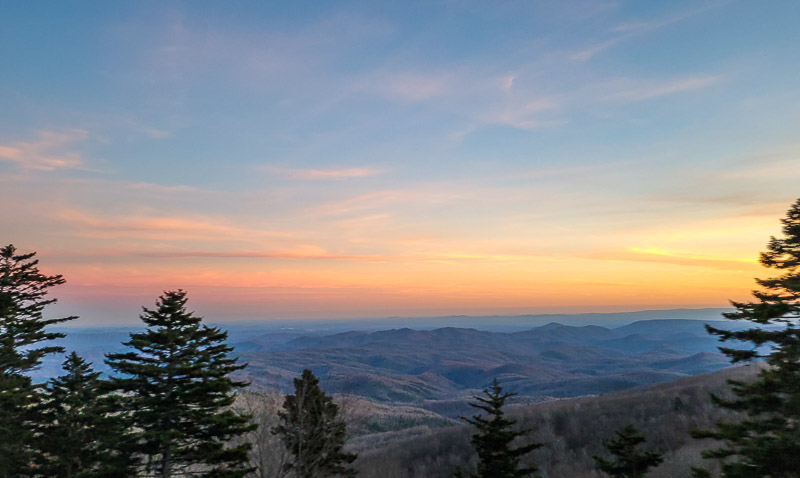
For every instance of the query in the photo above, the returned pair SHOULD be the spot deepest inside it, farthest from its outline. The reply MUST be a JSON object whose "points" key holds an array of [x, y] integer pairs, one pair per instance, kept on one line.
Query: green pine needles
{"points": [[178, 394], [80, 434], [23, 297], [766, 443], [629, 460], [496, 457], [313, 433]]}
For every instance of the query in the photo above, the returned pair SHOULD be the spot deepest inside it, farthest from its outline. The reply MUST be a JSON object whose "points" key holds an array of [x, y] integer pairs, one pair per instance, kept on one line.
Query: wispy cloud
{"points": [[507, 82], [298, 251], [383, 200], [322, 174], [657, 255], [49, 152], [628, 90], [590, 51], [458, 136], [416, 87], [654, 24], [628, 30], [156, 133], [159, 227], [265, 59], [162, 188], [408, 86], [525, 116]]}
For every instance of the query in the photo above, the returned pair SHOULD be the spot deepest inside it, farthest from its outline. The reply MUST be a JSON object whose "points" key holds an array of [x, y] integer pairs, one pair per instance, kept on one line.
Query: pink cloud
{"points": [[49, 152], [526, 115], [416, 87], [638, 92], [592, 50], [324, 174], [159, 227]]}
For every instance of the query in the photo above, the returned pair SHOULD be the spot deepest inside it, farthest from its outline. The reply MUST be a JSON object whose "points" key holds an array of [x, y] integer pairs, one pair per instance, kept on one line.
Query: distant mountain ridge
{"points": [[494, 323], [425, 366], [648, 330], [554, 360]]}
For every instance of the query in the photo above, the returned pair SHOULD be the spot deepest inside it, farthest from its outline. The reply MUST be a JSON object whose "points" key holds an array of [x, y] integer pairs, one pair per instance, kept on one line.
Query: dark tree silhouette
{"points": [[23, 291], [79, 433], [767, 441], [313, 433], [629, 460], [179, 391], [492, 443]]}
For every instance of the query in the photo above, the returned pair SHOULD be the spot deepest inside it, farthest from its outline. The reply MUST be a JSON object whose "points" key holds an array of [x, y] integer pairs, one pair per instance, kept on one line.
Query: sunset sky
{"points": [[367, 159]]}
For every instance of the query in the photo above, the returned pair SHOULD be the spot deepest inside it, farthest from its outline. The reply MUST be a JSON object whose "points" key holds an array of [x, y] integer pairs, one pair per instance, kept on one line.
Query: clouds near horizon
{"points": [[364, 158]]}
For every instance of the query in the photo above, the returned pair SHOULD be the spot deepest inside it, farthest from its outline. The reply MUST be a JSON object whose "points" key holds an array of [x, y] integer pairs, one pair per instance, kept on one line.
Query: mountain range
{"points": [[441, 368], [428, 367]]}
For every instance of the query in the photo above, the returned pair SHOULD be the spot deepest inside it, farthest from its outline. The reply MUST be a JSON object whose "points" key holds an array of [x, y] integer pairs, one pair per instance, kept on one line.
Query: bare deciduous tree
{"points": [[268, 455]]}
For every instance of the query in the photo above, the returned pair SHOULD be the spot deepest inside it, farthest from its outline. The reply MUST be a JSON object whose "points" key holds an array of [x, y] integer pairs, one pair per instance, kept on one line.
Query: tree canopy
{"points": [[313, 433], [79, 433], [179, 389], [629, 460], [23, 298], [493, 441], [767, 440]]}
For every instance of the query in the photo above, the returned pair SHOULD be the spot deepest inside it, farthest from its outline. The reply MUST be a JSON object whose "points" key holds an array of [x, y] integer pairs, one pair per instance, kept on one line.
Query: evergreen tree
{"points": [[79, 432], [766, 443], [629, 461], [23, 291], [496, 457], [313, 434], [179, 395]]}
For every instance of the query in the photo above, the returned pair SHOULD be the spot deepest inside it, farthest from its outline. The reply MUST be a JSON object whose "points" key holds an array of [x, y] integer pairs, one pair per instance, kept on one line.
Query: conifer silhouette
{"points": [[492, 443], [179, 391], [767, 441], [23, 298], [313, 433], [629, 461], [80, 434]]}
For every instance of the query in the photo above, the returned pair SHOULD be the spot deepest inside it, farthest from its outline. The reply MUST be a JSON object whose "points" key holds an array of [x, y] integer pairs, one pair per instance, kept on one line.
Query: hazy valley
{"points": [[420, 366], [402, 382]]}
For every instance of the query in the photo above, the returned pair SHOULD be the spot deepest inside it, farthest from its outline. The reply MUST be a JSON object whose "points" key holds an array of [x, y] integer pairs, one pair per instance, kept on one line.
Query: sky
{"points": [[365, 159]]}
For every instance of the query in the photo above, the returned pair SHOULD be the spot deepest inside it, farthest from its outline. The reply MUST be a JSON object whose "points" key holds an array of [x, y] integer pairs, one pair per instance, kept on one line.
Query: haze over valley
{"points": [[434, 372], [389, 239]]}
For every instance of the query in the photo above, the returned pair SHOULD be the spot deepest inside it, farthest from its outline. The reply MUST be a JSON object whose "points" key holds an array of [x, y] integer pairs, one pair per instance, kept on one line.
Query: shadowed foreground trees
{"points": [[313, 433], [23, 291], [767, 442], [629, 461], [492, 443], [80, 435], [178, 395]]}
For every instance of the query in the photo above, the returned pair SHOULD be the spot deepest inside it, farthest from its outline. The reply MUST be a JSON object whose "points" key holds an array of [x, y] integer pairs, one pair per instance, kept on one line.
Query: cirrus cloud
{"points": [[322, 174], [50, 151]]}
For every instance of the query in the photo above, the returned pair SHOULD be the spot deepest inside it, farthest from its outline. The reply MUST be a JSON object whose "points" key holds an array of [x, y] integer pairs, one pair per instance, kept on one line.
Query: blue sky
{"points": [[370, 158]]}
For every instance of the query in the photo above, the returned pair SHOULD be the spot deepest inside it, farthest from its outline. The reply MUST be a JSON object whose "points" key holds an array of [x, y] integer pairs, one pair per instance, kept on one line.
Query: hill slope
{"points": [[552, 361], [573, 430]]}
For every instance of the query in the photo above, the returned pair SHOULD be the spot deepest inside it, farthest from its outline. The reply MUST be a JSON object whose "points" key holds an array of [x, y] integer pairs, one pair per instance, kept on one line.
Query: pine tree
{"points": [[179, 395], [629, 461], [23, 291], [312, 432], [79, 432], [496, 457], [766, 443]]}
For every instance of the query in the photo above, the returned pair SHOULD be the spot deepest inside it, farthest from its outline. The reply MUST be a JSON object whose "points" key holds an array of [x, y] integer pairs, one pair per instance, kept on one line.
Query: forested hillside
{"points": [[429, 367], [573, 430]]}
